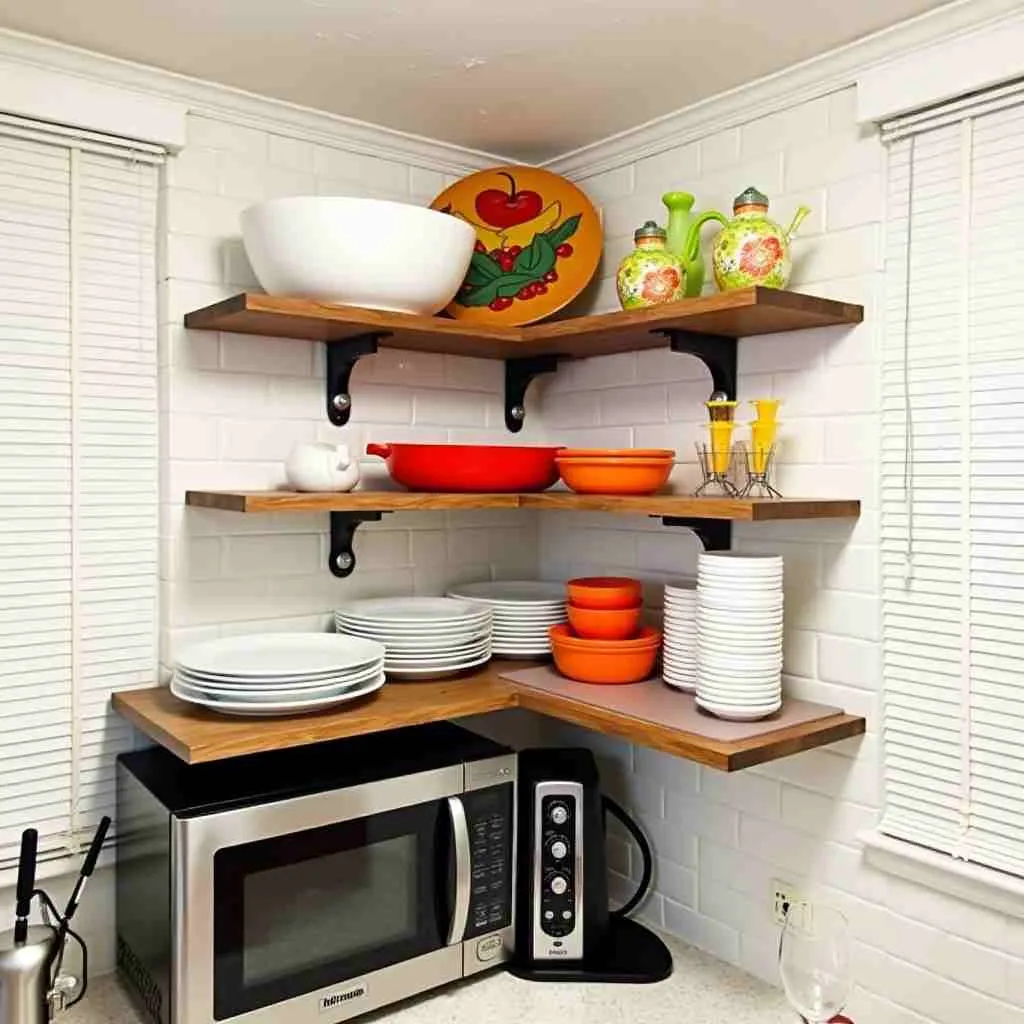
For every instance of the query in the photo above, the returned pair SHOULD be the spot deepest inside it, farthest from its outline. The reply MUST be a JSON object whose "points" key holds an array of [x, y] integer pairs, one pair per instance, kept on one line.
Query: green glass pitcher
{"points": [[684, 237]]}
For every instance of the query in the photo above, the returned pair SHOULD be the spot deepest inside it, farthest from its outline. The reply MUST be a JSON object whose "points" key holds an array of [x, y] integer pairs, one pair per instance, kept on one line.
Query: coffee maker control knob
{"points": [[558, 849], [559, 884], [559, 814]]}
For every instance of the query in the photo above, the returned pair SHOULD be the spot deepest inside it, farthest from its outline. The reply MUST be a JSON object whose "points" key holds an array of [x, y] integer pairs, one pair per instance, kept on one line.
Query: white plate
{"points": [[501, 615], [436, 672], [280, 654], [681, 687], [394, 628], [267, 695], [437, 657], [513, 649], [292, 707], [675, 669], [481, 614], [735, 616], [511, 592], [747, 600], [731, 714], [430, 642], [738, 558], [283, 683], [409, 610], [519, 634]]}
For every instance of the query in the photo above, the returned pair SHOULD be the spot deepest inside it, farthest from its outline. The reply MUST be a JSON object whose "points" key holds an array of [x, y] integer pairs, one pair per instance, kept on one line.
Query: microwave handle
{"points": [[463, 869]]}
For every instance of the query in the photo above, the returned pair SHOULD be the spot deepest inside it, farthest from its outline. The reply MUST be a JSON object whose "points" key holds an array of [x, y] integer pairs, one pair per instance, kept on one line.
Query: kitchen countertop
{"points": [[702, 990]]}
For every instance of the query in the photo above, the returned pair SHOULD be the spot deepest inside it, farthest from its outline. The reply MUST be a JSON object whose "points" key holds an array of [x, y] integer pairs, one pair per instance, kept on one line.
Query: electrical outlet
{"points": [[786, 900]]}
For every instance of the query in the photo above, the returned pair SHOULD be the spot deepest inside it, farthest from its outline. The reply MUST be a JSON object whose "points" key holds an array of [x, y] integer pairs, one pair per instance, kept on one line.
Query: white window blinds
{"points": [[953, 482], [78, 472]]}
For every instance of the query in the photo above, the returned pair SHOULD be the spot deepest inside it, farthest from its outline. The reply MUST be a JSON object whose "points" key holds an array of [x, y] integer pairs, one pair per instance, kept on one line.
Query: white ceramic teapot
{"points": [[319, 466]]}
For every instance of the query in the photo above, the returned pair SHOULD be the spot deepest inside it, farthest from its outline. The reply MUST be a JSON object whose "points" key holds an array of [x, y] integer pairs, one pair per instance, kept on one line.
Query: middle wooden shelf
{"points": [[674, 505]]}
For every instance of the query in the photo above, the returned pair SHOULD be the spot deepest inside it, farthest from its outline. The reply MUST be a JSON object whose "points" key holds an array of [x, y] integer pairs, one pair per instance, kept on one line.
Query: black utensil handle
{"points": [[26, 871], [94, 849], [26, 883]]}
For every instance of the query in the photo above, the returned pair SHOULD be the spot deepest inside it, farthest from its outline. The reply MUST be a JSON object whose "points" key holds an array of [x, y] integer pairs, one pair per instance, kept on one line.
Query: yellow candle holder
{"points": [[721, 445], [721, 411], [762, 440], [766, 409]]}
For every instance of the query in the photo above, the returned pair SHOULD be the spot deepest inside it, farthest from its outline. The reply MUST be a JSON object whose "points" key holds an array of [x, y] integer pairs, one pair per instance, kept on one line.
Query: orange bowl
{"points": [[602, 661], [601, 592], [614, 476], [616, 453], [605, 623], [647, 636]]}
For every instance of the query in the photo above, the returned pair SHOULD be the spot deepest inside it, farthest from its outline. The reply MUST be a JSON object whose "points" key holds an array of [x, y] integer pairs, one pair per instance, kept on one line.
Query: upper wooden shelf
{"points": [[743, 313], [197, 735], [737, 509]]}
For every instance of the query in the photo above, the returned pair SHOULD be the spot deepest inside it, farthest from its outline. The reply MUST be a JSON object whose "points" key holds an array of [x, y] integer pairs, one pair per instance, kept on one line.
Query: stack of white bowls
{"points": [[423, 637], [524, 611], [278, 673], [679, 635], [739, 634]]}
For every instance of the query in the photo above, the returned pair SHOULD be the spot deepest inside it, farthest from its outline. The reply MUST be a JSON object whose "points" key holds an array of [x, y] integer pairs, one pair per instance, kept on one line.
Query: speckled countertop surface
{"points": [[702, 990]]}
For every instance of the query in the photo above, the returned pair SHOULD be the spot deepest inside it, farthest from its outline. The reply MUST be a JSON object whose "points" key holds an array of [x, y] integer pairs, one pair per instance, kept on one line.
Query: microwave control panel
{"points": [[491, 838]]}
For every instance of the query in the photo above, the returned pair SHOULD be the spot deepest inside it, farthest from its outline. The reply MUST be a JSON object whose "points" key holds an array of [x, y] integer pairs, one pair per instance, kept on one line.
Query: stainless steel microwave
{"points": [[315, 884]]}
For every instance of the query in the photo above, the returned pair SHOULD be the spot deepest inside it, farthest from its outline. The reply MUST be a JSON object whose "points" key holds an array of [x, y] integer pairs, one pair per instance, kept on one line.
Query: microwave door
{"points": [[305, 911]]}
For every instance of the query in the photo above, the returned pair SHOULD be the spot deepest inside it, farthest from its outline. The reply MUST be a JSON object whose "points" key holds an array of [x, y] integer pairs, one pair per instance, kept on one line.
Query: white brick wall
{"points": [[233, 406], [721, 840]]}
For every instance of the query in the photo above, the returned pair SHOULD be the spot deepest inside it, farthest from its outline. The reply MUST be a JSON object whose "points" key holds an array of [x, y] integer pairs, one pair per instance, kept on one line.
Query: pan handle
{"points": [[383, 450]]}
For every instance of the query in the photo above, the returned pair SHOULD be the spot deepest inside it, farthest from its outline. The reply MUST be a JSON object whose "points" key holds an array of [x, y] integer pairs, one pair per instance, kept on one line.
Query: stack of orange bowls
{"points": [[615, 470], [604, 641]]}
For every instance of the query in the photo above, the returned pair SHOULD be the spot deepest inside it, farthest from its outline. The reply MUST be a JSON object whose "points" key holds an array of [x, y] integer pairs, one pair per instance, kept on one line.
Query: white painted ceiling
{"points": [[526, 78]]}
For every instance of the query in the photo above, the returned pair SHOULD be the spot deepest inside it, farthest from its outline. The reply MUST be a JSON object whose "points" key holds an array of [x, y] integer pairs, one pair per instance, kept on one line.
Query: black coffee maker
{"points": [[565, 930]]}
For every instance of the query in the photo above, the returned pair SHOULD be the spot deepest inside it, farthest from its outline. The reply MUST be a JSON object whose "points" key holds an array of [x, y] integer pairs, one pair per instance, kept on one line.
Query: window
{"points": [[952, 479], [78, 471]]}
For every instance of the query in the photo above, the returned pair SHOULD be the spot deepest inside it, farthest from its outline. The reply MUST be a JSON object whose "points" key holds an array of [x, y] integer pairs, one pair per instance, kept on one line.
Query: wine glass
{"points": [[814, 962]]}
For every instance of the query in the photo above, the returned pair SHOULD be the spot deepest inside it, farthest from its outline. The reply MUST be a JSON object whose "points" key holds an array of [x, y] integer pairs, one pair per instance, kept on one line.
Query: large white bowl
{"points": [[358, 252]]}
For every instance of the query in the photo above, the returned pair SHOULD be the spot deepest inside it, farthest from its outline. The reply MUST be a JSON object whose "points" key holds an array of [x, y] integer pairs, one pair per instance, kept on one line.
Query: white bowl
{"points": [[358, 252]]}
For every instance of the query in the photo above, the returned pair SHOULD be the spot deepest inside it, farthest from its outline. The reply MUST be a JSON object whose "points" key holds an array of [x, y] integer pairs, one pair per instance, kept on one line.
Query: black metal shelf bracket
{"points": [[342, 357], [518, 374], [342, 560], [714, 534], [715, 351]]}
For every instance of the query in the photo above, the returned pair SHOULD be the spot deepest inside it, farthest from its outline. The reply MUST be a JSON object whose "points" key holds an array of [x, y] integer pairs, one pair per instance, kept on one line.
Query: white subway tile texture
{"points": [[722, 840], [232, 407]]}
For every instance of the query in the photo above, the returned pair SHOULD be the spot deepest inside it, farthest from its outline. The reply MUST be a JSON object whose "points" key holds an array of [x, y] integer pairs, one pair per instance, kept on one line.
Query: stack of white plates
{"points": [[524, 611], [278, 673], [739, 634], [679, 636], [424, 637]]}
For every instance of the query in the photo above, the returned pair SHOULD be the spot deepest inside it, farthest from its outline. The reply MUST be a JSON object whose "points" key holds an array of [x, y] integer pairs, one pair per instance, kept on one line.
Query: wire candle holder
{"points": [[759, 463], [716, 466]]}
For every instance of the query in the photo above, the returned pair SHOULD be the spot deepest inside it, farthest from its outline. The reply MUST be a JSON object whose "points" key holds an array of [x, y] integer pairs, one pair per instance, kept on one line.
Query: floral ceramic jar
{"points": [[650, 274], [752, 248]]}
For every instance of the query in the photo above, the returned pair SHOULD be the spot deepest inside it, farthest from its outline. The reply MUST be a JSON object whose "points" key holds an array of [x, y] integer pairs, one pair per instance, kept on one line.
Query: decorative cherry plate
{"points": [[538, 244]]}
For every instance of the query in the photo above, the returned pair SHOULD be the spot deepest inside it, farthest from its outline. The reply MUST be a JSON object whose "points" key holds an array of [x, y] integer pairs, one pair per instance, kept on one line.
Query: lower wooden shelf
{"points": [[197, 735]]}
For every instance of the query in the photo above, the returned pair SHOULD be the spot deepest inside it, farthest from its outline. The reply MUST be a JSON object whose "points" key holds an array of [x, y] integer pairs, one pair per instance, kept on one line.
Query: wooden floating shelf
{"points": [[742, 313], [736, 509], [197, 735]]}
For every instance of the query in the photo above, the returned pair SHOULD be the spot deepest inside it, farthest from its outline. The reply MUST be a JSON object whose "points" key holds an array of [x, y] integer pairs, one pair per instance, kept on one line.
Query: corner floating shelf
{"points": [[706, 327], [735, 509], [197, 735], [709, 518]]}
